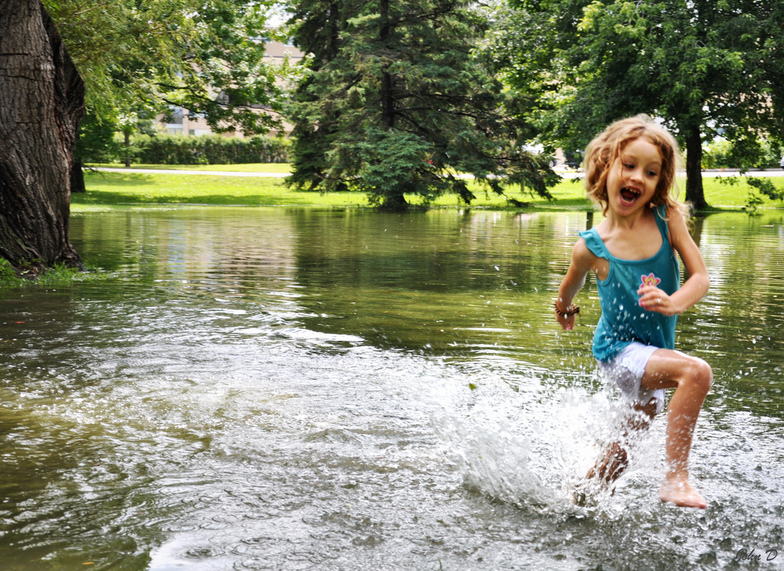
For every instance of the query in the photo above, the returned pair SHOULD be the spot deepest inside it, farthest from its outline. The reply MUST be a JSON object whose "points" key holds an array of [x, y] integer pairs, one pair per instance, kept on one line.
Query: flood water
{"points": [[312, 389]]}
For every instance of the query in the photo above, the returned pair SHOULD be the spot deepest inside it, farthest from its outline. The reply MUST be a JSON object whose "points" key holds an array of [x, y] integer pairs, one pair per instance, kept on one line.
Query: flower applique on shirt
{"points": [[650, 280]]}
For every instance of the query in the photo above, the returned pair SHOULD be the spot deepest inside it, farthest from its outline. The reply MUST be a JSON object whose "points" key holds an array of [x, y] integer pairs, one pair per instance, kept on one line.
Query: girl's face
{"points": [[633, 177]]}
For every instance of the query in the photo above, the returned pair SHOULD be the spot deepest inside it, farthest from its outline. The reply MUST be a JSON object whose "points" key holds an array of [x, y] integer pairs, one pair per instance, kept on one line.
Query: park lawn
{"points": [[251, 167], [720, 194], [134, 188], [570, 195], [129, 188]]}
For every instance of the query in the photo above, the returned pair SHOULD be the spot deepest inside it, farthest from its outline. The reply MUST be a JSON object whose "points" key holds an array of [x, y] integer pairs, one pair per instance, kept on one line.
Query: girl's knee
{"points": [[700, 374]]}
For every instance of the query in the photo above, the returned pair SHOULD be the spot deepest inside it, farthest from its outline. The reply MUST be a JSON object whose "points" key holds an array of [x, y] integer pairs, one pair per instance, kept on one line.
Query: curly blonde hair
{"points": [[607, 146]]}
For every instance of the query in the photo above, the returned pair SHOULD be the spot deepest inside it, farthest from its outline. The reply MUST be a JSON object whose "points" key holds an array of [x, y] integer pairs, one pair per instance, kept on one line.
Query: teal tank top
{"points": [[623, 320]]}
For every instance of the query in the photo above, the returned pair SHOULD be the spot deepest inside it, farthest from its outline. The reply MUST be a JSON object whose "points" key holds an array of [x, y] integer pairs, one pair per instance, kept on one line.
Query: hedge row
{"points": [[207, 150], [720, 153]]}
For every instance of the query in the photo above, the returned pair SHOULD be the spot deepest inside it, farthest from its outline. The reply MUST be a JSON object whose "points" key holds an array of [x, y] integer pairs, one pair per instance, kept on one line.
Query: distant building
{"points": [[183, 123]]}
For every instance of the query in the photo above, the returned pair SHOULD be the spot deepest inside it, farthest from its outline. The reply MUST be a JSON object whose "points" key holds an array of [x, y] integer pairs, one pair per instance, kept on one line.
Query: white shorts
{"points": [[627, 370]]}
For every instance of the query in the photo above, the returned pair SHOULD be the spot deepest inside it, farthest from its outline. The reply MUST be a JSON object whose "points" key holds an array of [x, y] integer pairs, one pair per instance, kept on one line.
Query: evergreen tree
{"points": [[395, 102]]}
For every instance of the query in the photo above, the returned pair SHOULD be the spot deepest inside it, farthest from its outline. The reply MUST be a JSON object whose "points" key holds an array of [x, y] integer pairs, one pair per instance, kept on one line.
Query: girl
{"points": [[630, 172]]}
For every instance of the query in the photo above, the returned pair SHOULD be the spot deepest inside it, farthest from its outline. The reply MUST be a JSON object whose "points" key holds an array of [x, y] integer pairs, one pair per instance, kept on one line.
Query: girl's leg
{"points": [[615, 458], [691, 378]]}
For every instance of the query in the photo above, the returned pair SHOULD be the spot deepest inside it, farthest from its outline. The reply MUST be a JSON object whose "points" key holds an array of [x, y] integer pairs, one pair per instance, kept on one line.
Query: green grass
{"points": [[728, 196], [115, 189], [105, 189], [55, 276], [253, 167]]}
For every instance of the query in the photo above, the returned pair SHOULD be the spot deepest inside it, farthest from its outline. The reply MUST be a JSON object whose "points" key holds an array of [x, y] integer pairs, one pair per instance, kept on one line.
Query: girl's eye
{"points": [[652, 173]]}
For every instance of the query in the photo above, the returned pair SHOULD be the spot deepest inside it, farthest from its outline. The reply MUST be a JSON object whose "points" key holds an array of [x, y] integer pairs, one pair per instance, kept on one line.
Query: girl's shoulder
{"points": [[677, 227], [583, 249], [590, 246], [590, 254]]}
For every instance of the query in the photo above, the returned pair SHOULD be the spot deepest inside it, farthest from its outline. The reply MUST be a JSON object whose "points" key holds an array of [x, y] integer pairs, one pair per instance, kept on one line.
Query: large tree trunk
{"points": [[694, 191], [41, 105], [77, 176]]}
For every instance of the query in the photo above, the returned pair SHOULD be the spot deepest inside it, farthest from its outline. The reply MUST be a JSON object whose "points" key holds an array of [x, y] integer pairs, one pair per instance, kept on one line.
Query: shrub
{"points": [[208, 150], [742, 154]]}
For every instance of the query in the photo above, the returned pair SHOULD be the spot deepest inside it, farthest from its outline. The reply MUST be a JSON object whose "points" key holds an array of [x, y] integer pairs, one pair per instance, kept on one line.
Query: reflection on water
{"points": [[300, 389]]}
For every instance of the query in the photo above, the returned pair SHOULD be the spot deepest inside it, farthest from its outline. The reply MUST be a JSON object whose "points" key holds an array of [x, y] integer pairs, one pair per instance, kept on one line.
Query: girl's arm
{"points": [[694, 288], [582, 261]]}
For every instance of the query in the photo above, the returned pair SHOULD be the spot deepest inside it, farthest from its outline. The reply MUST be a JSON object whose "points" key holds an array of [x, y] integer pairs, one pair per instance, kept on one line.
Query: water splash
{"points": [[532, 446]]}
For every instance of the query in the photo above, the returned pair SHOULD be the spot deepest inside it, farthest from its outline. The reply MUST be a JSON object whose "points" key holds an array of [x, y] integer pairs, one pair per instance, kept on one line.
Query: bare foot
{"points": [[678, 490], [612, 464]]}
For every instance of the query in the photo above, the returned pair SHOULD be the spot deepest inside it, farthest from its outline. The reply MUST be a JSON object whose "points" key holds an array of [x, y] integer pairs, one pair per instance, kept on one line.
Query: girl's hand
{"points": [[566, 316], [566, 321], [654, 299]]}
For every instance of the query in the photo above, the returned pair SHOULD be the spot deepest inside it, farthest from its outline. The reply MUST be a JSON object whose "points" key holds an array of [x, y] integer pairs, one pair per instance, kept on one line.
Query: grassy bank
{"points": [[136, 188], [113, 189], [251, 168]]}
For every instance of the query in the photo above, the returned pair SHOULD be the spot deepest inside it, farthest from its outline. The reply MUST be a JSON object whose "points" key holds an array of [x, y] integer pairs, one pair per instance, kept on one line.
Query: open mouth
{"points": [[630, 195]]}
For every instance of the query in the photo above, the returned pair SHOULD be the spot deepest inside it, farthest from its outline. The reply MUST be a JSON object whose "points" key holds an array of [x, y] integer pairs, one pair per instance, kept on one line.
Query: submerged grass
{"points": [[108, 189], [56, 276]]}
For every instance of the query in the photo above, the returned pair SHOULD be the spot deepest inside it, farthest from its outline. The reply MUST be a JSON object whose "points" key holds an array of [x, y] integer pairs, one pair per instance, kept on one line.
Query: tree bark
{"points": [[77, 176], [41, 105], [127, 149], [394, 198], [387, 97], [694, 190]]}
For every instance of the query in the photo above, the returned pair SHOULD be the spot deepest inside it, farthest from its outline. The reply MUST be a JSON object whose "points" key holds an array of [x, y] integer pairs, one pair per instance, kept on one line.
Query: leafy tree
{"points": [[205, 55], [144, 57], [704, 66], [395, 102]]}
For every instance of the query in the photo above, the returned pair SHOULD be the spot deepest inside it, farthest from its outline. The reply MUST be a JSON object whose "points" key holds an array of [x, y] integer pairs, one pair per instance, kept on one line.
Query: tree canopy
{"points": [[203, 55], [396, 102], [703, 66]]}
